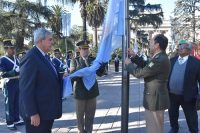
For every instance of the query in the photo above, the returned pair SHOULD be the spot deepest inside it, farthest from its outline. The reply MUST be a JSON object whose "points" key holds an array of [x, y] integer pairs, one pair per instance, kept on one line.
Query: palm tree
{"points": [[55, 21], [83, 4], [95, 16], [23, 17]]}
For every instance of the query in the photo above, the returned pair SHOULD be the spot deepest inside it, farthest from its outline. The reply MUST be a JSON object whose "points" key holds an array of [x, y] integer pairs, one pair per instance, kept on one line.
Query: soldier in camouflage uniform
{"points": [[9, 67], [155, 73], [85, 99]]}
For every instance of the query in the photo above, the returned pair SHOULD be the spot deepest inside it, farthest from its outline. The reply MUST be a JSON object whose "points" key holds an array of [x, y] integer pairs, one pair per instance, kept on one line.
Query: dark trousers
{"points": [[116, 66], [189, 110], [44, 127], [11, 105]]}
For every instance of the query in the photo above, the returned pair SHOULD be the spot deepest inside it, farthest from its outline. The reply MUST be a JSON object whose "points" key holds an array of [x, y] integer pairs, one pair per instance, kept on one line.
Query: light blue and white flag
{"points": [[113, 31], [66, 23]]}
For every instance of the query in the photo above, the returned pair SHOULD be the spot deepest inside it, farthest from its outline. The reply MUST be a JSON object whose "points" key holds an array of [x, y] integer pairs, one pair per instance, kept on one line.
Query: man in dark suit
{"points": [[155, 73], [40, 86], [183, 87]]}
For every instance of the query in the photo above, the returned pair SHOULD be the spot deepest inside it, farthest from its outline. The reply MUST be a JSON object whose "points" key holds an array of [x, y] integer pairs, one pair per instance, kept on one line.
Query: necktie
{"points": [[48, 59], [180, 60], [86, 62]]}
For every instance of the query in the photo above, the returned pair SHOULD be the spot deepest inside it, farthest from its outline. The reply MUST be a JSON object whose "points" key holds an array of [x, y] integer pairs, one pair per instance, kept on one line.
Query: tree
{"points": [[20, 19], [144, 14], [186, 19], [83, 4], [95, 16], [55, 22]]}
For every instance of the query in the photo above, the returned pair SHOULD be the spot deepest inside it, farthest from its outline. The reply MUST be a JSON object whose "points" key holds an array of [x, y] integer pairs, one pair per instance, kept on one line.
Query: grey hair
{"points": [[40, 34], [188, 46]]}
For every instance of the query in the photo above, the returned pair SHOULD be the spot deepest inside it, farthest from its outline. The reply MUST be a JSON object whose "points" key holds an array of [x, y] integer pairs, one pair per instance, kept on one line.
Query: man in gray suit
{"points": [[155, 73]]}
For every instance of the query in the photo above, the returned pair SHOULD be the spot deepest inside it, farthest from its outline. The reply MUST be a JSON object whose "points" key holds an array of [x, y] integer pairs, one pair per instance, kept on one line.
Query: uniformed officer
{"points": [[155, 73], [85, 99], [69, 57], [9, 67], [58, 63]]}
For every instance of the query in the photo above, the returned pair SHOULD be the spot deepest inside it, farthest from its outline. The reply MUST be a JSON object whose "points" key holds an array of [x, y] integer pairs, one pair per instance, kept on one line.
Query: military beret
{"points": [[83, 44], [8, 43]]}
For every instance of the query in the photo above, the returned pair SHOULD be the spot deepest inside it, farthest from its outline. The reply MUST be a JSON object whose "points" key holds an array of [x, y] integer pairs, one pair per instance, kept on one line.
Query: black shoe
{"points": [[19, 123], [173, 130], [11, 127]]}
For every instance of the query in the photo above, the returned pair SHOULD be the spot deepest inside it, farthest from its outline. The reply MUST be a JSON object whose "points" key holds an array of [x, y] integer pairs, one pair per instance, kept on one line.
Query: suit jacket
{"points": [[40, 87], [155, 74], [191, 78]]}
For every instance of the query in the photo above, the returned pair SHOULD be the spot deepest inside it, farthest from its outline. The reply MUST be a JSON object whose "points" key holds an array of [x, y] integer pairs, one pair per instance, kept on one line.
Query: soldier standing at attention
{"points": [[85, 99], [155, 73], [9, 67], [57, 62]]}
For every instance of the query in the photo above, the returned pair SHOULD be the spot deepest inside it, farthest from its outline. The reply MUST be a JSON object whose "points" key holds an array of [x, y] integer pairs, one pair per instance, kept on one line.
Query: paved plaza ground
{"points": [[108, 113]]}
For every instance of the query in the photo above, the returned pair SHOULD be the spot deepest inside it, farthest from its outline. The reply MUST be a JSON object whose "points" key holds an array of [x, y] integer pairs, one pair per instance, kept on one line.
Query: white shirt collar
{"points": [[184, 59], [43, 53]]}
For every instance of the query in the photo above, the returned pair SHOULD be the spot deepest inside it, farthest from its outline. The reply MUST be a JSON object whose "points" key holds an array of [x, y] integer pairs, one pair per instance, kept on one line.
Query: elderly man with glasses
{"points": [[183, 87]]}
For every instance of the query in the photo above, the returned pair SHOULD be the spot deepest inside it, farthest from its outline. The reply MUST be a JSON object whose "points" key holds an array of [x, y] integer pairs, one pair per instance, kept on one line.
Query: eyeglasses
{"points": [[182, 46]]}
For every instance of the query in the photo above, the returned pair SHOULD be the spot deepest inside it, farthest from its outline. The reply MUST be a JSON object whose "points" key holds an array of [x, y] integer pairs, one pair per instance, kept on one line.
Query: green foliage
{"points": [[76, 33], [186, 20], [20, 19], [55, 21], [94, 51], [62, 45], [141, 14], [95, 14]]}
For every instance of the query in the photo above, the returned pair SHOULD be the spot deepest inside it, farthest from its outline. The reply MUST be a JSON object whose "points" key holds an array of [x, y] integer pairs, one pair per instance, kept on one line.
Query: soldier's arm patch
{"points": [[150, 64]]}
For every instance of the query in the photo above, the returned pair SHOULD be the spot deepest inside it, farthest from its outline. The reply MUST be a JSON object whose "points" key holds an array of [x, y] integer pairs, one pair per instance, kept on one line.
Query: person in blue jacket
{"points": [[9, 68], [58, 63]]}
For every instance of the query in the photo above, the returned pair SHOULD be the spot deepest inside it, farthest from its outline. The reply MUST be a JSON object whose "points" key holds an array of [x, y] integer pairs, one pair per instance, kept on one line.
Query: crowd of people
{"points": [[34, 84]]}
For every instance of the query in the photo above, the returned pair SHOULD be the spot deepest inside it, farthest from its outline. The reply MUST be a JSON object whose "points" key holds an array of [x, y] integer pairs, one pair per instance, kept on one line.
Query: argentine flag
{"points": [[113, 31]]}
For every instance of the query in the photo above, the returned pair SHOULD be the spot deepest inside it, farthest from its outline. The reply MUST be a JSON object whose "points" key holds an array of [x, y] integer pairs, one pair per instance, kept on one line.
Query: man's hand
{"points": [[131, 53], [35, 120], [65, 74], [127, 61]]}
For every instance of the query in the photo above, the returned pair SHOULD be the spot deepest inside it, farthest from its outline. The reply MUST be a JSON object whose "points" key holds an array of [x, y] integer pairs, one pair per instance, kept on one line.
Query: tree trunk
{"points": [[193, 22], [19, 42], [84, 21], [96, 39]]}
